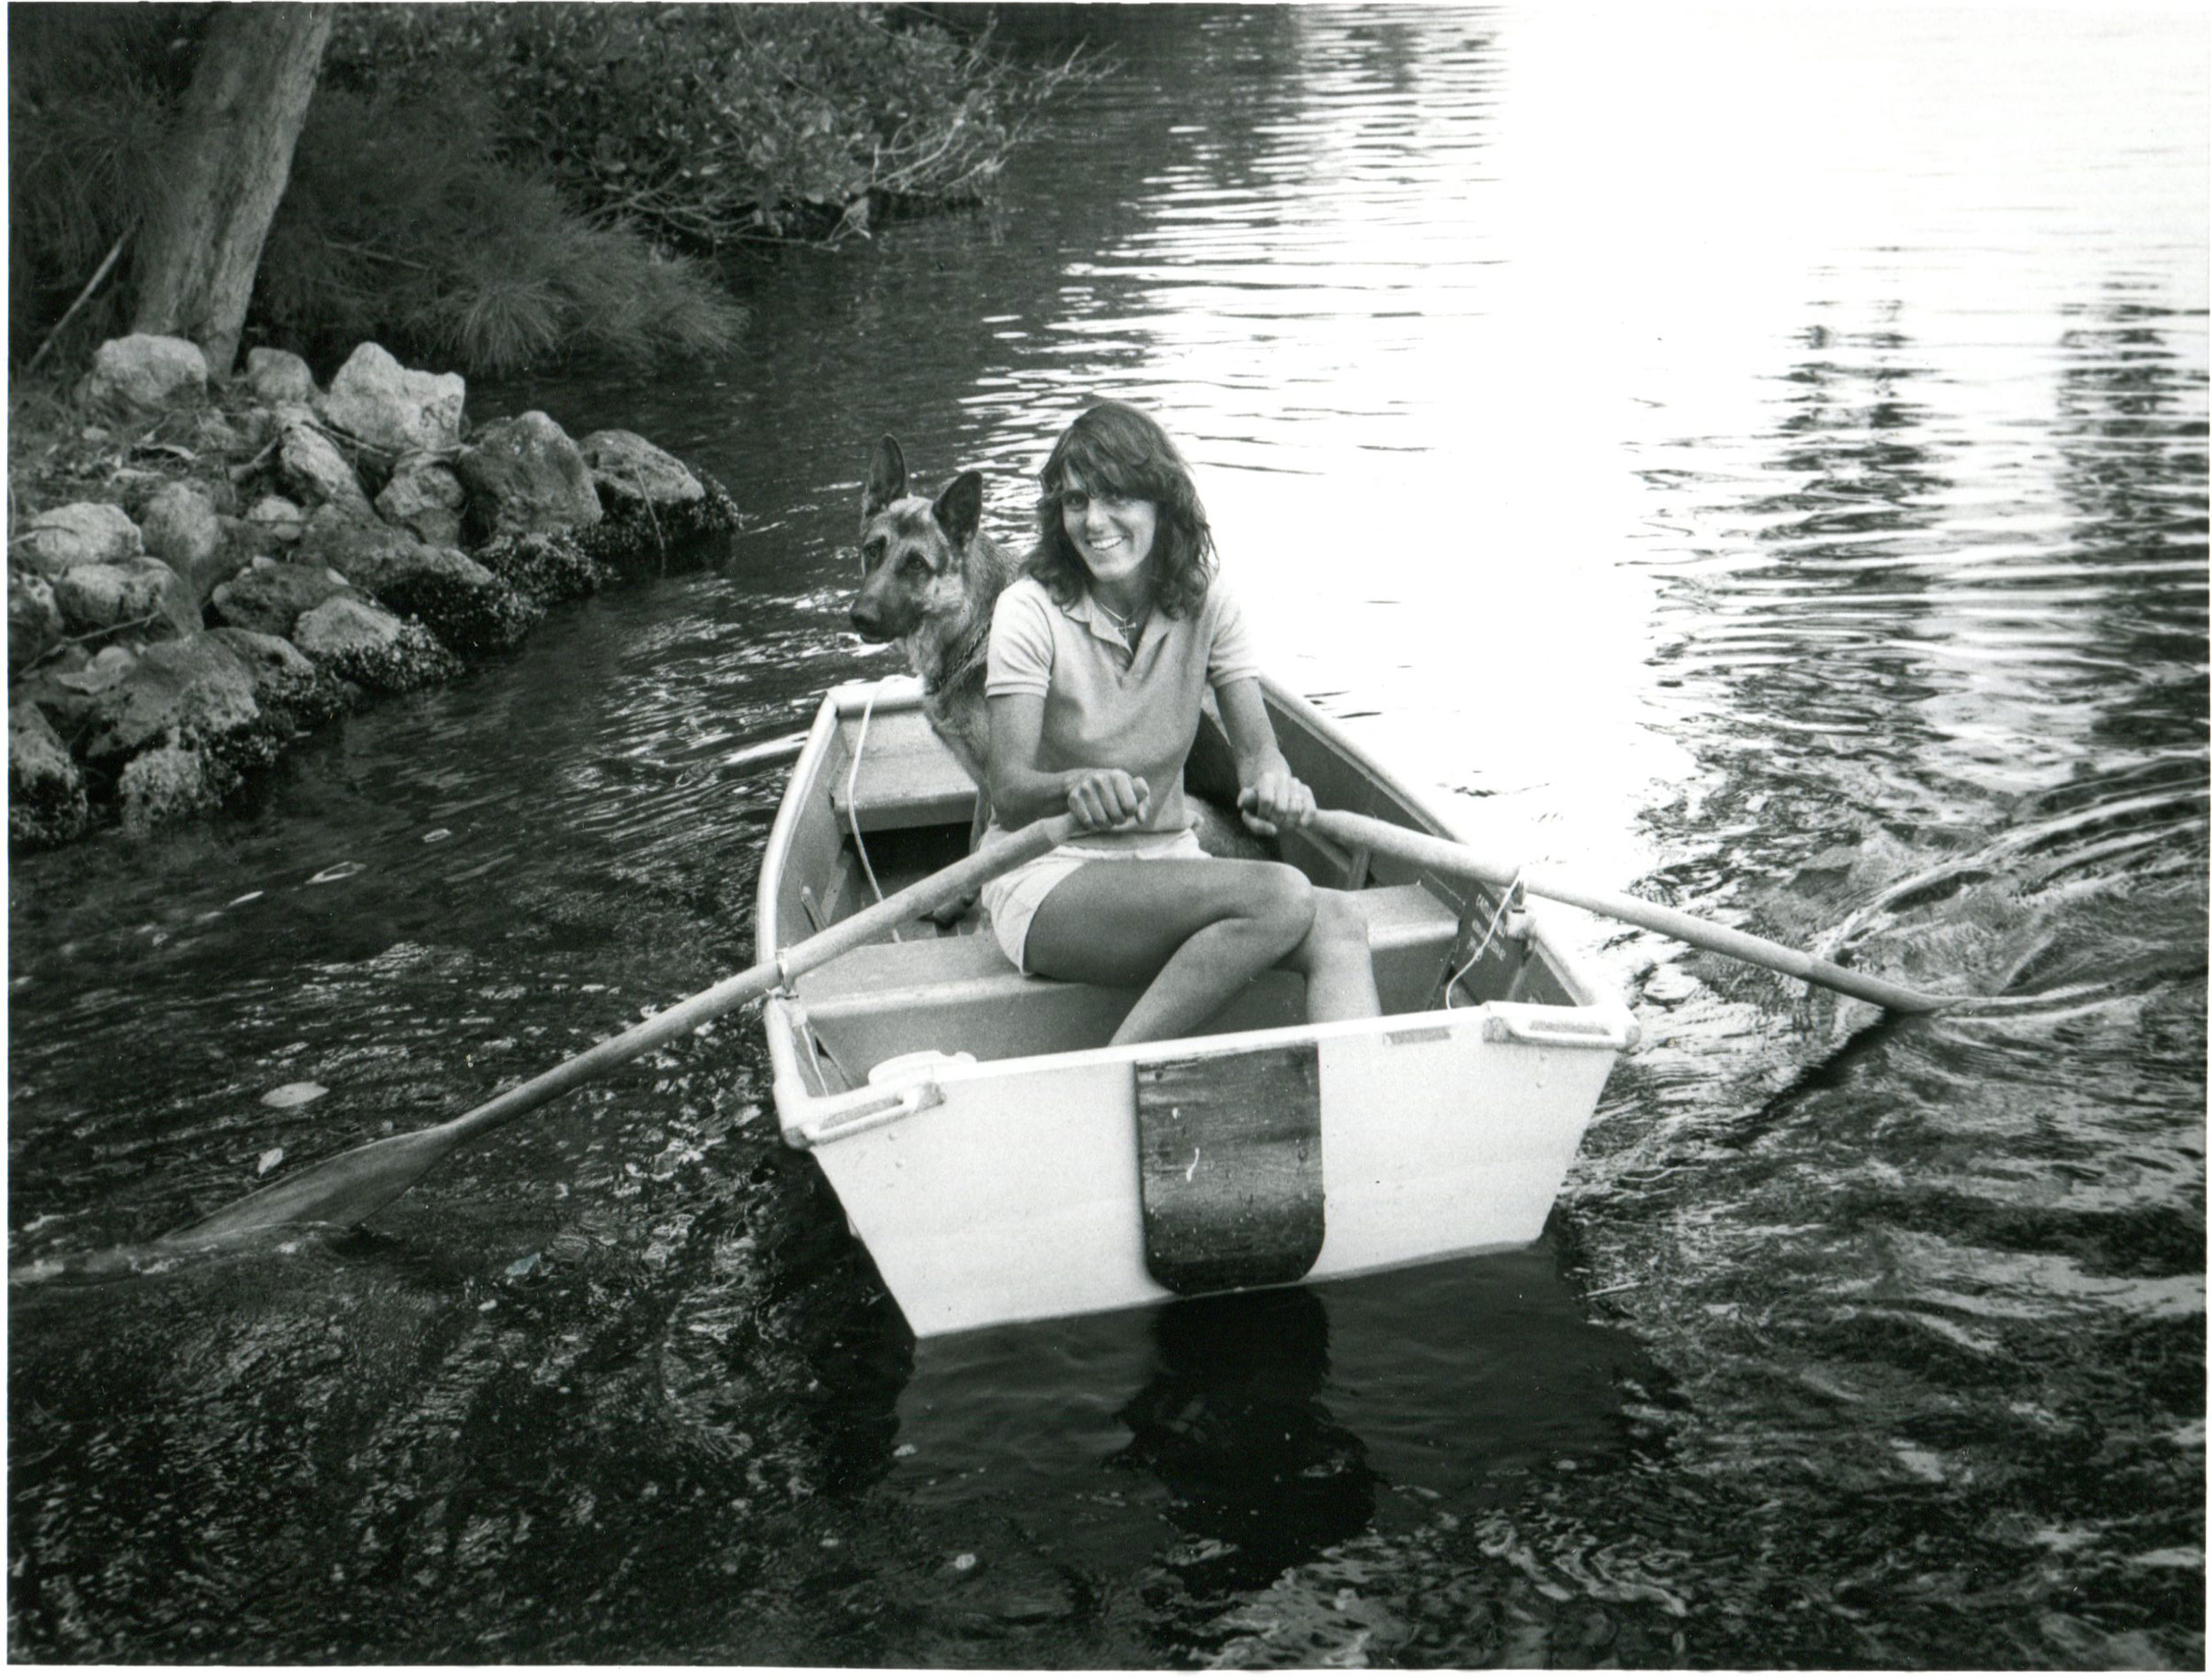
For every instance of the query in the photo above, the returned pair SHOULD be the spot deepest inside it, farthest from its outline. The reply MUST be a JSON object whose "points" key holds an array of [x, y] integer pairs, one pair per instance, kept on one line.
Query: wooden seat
{"points": [[962, 992], [907, 779]]}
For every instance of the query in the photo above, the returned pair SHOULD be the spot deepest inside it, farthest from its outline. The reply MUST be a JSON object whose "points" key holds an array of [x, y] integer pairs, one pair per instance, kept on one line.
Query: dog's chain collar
{"points": [[966, 655]]}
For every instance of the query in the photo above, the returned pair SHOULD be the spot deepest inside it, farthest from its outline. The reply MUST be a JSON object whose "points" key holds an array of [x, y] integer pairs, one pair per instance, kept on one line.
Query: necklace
{"points": [[1124, 624]]}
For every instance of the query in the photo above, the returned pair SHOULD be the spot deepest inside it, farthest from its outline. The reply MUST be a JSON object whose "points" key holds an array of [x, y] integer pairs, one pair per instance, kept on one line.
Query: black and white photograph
{"points": [[1121, 836]]}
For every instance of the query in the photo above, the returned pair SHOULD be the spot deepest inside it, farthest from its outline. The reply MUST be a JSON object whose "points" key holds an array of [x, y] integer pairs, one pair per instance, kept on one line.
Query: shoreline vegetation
{"points": [[203, 567]]}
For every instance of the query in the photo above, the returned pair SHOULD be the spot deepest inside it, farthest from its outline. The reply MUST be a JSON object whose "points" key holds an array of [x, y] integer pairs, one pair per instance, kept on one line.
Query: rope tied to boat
{"points": [[852, 805], [1513, 904]]}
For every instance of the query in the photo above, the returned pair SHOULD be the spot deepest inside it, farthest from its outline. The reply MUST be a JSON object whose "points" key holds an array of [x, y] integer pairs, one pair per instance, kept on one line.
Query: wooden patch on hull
{"points": [[1229, 1149]]}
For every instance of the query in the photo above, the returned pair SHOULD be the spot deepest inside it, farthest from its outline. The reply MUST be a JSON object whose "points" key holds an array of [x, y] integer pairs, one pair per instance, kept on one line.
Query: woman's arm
{"points": [[1021, 792], [1269, 794]]}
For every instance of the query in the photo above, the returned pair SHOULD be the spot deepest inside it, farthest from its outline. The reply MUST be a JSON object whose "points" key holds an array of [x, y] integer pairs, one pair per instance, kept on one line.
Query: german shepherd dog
{"points": [[929, 578]]}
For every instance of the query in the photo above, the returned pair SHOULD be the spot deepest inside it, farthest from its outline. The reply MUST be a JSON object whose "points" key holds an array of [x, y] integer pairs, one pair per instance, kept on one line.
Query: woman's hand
{"points": [[1276, 799], [1104, 798]]}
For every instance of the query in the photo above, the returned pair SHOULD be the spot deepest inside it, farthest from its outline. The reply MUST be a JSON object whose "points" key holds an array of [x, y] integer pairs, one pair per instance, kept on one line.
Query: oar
{"points": [[362, 1181], [1380, 838]]}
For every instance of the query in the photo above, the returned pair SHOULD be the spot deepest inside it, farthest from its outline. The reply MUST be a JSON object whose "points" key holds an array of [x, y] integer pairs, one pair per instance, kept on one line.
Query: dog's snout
{"points": [[865, 619]]}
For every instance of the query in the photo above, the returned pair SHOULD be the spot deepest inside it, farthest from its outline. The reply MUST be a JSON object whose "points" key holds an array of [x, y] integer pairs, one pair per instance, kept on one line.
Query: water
{"points": [[1755, 455]]}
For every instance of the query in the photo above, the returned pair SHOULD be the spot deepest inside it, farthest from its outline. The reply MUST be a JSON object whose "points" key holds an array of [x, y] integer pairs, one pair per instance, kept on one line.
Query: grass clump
{"points": [[404, 223]]}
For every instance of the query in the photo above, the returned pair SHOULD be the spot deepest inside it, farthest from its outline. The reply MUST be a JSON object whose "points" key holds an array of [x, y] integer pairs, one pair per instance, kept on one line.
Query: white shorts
{"points": [[1013, 899]]}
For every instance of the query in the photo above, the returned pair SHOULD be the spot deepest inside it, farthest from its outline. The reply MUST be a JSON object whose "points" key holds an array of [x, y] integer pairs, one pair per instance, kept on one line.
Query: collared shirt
{"points": [[1106, 707]]}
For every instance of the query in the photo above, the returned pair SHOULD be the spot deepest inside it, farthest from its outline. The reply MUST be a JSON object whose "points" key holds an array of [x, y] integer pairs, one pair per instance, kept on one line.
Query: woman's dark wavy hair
{"points": [[1115, 450]]}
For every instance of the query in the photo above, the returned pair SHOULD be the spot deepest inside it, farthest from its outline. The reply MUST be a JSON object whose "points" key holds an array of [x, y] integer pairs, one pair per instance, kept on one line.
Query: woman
{"points": [[1100, 655]]}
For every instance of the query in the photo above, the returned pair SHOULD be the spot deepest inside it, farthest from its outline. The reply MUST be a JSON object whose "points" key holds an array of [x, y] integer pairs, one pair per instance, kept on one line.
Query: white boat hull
{"points": [[1008, 1188]]}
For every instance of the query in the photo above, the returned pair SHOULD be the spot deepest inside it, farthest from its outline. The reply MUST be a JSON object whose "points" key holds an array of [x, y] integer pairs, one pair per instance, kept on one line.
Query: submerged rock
{"points": [[197, 691], [526, 476], [291, 689], [461, 602], [46, 794], [625, 469], [655, 504], [367, 645], [174, 780], [548, 568]]}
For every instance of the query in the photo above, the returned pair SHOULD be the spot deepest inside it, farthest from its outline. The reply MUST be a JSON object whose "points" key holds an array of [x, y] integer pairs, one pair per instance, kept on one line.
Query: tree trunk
{"points": [[241, 118]]}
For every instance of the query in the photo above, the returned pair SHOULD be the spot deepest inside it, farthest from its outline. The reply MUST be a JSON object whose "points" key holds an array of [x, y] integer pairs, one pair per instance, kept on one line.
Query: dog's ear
{"points": [[960, 508], [886, 478]]}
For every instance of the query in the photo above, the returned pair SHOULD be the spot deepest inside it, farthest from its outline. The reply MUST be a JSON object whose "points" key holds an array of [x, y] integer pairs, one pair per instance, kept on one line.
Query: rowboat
{"points": [[1003, 1163]]}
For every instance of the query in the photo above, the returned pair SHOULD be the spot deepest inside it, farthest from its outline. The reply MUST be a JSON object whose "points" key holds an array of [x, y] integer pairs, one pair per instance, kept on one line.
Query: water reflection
{"points": [[1260, 1475]]}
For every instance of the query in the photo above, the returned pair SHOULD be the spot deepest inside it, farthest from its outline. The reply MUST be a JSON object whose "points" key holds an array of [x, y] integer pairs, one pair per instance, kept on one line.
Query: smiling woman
{"points": [[1100, 661]]}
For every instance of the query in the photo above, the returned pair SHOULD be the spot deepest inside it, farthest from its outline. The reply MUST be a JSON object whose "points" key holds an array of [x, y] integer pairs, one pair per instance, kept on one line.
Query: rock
{"points": [[141, 593], [425, 496], [290, 688], [180, 530], [82, 533], [270, 595], [626, 470], [174, 780], [243, 542], [524, 476], [363, 644], [382, 403], [214, 434], [310, 464], [279, 520], [46, 795], [654, 503], [97, 672], [548, 568], [59, 687], [197, 691], [459, 600], [278, 375], [257, 428], [144, 374], [35, 622]]}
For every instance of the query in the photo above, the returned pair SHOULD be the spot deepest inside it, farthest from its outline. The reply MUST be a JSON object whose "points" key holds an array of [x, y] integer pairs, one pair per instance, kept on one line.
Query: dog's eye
{"points": [[913, 567]]}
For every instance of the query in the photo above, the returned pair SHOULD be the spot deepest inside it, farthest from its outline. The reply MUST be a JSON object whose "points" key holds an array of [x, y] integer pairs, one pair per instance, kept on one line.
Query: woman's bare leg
{"points": [[1338, 966], [1193, 932]]}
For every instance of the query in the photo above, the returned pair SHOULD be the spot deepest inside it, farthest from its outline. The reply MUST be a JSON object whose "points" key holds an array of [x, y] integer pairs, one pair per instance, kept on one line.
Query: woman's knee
{"points": [[1282, 898]]}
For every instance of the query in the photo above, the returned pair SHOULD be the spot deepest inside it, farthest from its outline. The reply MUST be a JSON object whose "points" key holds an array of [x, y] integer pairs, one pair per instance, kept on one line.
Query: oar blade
{"points": [[343, 1190]]}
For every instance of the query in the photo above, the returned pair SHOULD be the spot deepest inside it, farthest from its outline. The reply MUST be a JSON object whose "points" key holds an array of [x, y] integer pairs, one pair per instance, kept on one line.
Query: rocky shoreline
{"points": [[199, 575]]}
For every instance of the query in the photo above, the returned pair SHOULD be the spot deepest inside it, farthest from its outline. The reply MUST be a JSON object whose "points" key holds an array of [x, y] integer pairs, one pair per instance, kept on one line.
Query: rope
{"points": [[1512, 895], [852, 805]]}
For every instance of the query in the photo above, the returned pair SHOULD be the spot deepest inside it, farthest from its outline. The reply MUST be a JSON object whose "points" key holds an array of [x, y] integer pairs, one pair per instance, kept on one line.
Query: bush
{"points": [[402, 221], [717, 123]]}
